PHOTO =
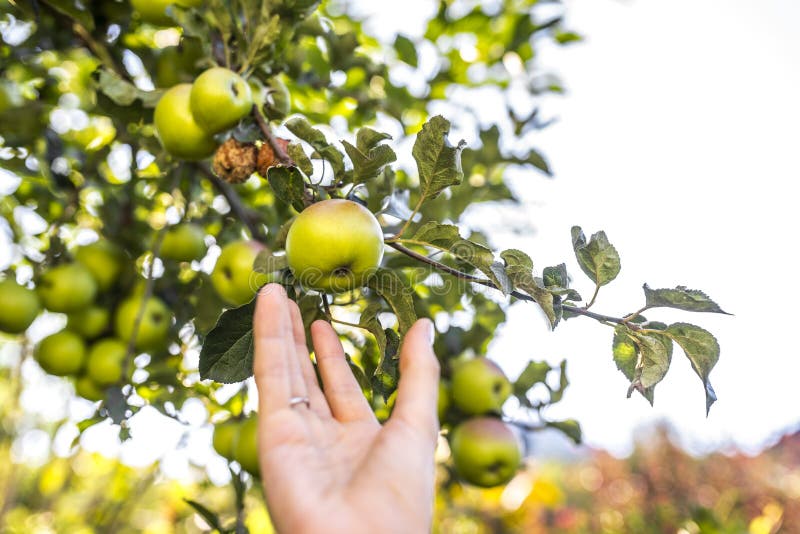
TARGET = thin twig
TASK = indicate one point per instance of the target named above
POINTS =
(247, 216)
(488, 283)
(277, 149)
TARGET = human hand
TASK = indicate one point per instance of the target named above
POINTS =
(330, 466)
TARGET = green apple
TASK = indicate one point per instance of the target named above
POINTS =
(89, 322)
(105, 261)
(233, 276)
(184, 242)
(155, 11)
(105, 360)
(61, 354)
(245, 450)
(178, 64)
(479, 386)
(154, 327)
(67, 288)
(177, 129)
(19, 308)
(485, 451)
(443, 403)
(86, 388)
(225, 436)
(220, 98)
(334, 245)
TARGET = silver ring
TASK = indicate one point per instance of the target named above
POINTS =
(294, 401)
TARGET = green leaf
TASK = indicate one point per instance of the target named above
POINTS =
(656, 351)
(534, 373)
(369, 157)
(300, 158)
(570, 427)
(227, 353)
(397, 294)
(300, 127)
(563, 37)
(122, 92)
(210, 517)
(598, 258)
(519, 268)
(557, 394)
(288, 185)
(387, 374)
(555, 276)
(702, 349)
(681, 298)
(267, 262)
(438, 162)
(406, 50)
(626, 356)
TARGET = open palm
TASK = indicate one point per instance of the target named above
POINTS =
(330, 466)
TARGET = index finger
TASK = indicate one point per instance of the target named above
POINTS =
(273, 347)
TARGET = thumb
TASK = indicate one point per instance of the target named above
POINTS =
(418, 390)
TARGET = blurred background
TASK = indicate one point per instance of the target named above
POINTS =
(676, 135)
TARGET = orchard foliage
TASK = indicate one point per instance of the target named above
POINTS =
(335, 115)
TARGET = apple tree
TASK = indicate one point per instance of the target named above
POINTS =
(161, 161)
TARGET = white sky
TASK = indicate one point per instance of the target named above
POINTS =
(679, 138)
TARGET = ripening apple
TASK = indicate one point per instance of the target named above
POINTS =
(19, 307)
(155, 11)
(479, 386)
(225, 435)
(89, 322)
(443, 403)
(233, 276)
(334, 245)
(485, 451)
(67, 288)
(86, 388)
(104, 362)
(177, 129)
(245, 450)
(61, 354)
(178, 64)
(184, 242)
(154, 327)
(220, 98)
(105, 261)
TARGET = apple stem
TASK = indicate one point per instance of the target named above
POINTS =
(277, 149)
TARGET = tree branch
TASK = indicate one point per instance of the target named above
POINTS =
(247, 216)
(277, 149)
(488, 283)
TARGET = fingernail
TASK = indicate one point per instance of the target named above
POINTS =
(269, 288)
(431, 330)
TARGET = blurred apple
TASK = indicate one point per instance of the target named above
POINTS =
(155, 11)
(19, 308)
(233, 276)
(67, 288)
(86, 388)
(61, 354)
(105, 261)
(184, 242)
(485, 451)
(105, 360)
(89, 322)
(479, 386)
(154, 327)
(245, 450)
(225, 435)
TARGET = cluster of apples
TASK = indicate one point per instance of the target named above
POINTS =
(92, 347)
(189, 115)
(485, 450)
(235, 439)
